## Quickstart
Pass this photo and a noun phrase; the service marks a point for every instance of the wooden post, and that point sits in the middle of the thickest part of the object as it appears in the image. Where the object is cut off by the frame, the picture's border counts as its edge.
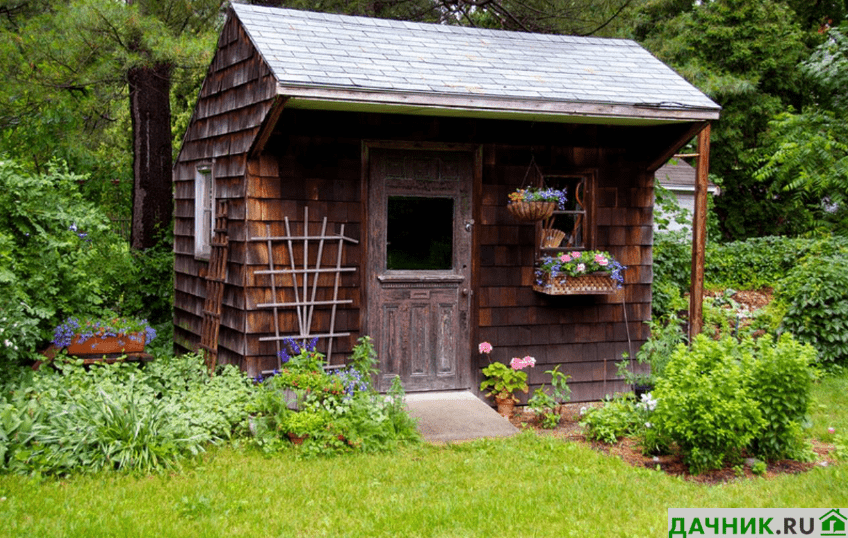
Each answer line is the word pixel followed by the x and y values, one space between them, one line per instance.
pixel 699 234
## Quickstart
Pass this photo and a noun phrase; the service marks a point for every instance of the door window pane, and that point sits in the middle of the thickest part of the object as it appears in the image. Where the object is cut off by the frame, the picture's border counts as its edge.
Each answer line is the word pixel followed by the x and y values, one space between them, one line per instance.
pixel 419 233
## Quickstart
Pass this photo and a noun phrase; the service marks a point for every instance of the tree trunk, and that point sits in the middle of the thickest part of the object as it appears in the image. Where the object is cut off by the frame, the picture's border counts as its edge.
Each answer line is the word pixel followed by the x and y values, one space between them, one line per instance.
pixel 150 108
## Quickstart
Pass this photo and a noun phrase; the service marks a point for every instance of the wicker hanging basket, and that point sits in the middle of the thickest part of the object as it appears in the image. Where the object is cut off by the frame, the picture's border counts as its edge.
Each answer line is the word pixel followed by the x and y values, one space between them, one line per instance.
pixel 531 211
pixel 591 284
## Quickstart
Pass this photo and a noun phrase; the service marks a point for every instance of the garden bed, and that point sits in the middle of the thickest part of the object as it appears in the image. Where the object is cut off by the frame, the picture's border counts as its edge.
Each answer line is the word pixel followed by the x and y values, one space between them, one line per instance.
pixel 627 449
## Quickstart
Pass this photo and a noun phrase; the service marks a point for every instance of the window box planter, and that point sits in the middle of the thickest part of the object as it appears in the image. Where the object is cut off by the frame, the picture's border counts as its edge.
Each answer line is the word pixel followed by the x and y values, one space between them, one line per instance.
pixel 105 345
pixel 599 283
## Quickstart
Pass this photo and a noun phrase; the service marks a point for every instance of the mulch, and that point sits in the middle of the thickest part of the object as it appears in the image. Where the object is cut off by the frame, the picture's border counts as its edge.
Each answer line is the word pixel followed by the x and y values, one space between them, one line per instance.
pixel 628 450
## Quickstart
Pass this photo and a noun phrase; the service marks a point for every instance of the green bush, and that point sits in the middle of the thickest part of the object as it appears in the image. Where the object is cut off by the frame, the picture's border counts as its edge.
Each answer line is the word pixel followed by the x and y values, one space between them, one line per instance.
pixel 814 300
pixel 722 397
pixel 703 403
pixel 780 383
pixel 752 263
pixel 617 418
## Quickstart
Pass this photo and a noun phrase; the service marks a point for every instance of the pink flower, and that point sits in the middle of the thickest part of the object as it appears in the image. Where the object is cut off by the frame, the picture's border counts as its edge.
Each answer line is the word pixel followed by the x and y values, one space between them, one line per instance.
pixel 601 260
pixel 576 254
pixel 831 430
pixel 520 364
pixel 485 347
pixel 565 258
pixel 581 267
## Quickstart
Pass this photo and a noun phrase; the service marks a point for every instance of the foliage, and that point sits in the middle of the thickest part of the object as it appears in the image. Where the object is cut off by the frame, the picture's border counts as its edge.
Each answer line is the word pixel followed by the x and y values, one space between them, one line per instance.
pixel 666 334
pixel 804 161
pixel 363 357
pixel 704 405
pixel 70 419
pixel 744 54
pixel 617 418
pixel 753 263
pixel 502 380
pixel 780 383
pixel 548 406
pixel 338 410
pixel 51 254
pixel 814 295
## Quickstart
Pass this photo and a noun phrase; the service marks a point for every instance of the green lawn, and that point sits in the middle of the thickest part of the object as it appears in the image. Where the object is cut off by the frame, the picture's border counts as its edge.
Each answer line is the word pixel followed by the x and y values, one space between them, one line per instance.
pixel 525 486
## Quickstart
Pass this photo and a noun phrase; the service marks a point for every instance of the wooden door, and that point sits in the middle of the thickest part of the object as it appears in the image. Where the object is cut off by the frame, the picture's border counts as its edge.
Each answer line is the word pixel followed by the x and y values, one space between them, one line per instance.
pixel 419 266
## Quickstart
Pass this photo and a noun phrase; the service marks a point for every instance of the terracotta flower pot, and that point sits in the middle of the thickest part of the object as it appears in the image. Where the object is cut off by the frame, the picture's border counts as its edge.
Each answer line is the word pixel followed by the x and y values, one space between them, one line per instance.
pixel 297 439
pixel 506 406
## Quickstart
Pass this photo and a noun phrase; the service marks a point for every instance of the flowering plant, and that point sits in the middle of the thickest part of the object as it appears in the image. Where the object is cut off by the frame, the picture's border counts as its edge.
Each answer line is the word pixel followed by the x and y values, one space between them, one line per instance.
pixel 576 263
pixel 502 380
pixel 535 194
pixel 78 330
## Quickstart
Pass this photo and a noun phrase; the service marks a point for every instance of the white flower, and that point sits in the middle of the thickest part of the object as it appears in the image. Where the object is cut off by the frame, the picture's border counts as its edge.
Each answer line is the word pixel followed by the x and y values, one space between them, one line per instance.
pixel 582 411
pixel 648 425
pixel 8 343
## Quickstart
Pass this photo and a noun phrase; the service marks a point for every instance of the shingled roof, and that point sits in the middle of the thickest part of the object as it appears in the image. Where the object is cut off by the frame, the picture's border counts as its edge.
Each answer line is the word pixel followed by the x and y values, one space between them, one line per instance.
pixel 356 63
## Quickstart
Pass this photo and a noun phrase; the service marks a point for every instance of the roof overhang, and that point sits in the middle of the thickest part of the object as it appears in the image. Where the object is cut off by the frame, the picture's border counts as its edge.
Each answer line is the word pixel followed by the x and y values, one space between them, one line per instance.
pixel 488 107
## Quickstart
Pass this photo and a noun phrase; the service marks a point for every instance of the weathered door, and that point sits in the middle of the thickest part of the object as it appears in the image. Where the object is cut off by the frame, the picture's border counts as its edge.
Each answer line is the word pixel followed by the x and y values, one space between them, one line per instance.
pixel 419 266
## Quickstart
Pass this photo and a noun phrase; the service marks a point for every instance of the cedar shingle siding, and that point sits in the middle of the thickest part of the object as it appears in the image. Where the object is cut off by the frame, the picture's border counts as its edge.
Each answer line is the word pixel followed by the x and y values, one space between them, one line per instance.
pixel 294 100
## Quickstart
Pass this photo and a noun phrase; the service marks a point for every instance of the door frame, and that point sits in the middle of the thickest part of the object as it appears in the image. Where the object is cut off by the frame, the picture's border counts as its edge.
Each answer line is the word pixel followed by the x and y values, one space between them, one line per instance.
pixel 465 366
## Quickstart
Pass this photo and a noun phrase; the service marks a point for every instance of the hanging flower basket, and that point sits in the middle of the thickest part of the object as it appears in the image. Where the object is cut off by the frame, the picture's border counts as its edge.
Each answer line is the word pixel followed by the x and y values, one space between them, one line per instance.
pixel 531 211
pixel 590 284
pixel 532 204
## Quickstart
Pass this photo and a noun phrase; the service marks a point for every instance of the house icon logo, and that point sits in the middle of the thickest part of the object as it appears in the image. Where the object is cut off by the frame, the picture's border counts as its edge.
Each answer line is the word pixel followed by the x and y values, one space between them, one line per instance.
pixel 833 523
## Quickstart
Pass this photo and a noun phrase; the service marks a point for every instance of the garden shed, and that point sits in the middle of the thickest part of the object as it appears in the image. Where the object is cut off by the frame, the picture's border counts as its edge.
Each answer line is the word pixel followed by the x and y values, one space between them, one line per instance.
pixel 398 145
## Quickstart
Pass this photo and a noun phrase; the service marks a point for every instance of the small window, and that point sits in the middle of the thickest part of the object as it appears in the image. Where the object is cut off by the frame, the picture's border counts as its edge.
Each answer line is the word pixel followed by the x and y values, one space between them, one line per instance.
pixel 204 211
pixel 419 233
pixel 570 227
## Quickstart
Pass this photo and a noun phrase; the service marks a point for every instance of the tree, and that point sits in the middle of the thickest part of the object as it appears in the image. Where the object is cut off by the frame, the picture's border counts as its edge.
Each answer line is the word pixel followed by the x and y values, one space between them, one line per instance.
pixel 805 157
pixel 89 55
pixel 745 55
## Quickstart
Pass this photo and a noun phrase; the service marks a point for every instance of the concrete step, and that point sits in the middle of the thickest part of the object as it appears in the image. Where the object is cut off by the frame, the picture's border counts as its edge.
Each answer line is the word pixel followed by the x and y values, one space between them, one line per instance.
pixel 455 416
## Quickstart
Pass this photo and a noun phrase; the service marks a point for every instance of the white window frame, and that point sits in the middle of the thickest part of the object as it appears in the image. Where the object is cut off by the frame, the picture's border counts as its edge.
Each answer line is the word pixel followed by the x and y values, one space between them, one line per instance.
pixel 204 210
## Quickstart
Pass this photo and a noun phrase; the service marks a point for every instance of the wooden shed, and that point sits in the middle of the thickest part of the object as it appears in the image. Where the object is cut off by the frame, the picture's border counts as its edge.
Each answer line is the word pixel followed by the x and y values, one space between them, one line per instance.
pixel 399 143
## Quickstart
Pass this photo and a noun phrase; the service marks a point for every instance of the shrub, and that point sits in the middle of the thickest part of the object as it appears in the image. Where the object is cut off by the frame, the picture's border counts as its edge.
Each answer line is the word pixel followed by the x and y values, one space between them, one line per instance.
pixel 617 418
pixel 752 263
pixel 51 255
pixel 780 384
pixel 703 405
pixel 814 296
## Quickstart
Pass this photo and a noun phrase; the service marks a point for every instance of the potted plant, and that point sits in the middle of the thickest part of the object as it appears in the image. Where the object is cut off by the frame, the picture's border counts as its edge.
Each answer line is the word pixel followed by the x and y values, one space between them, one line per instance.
pixel 300 424
pixel 586 271
pixel 502 381
pixel 102 335
pixel 533 203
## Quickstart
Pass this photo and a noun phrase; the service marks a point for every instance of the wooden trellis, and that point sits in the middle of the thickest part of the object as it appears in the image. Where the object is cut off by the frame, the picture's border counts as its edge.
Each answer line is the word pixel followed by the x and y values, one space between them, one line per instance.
pixel 216 277
pixel 305 288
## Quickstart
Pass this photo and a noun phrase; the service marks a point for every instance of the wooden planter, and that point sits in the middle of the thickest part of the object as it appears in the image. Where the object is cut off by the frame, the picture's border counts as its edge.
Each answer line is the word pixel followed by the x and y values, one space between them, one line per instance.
pixel 107 345
pixel 591 284
pixel 531 211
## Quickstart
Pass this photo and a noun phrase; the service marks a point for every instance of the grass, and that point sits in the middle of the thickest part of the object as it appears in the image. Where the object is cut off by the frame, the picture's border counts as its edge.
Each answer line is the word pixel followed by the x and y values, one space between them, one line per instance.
pixel 524 486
